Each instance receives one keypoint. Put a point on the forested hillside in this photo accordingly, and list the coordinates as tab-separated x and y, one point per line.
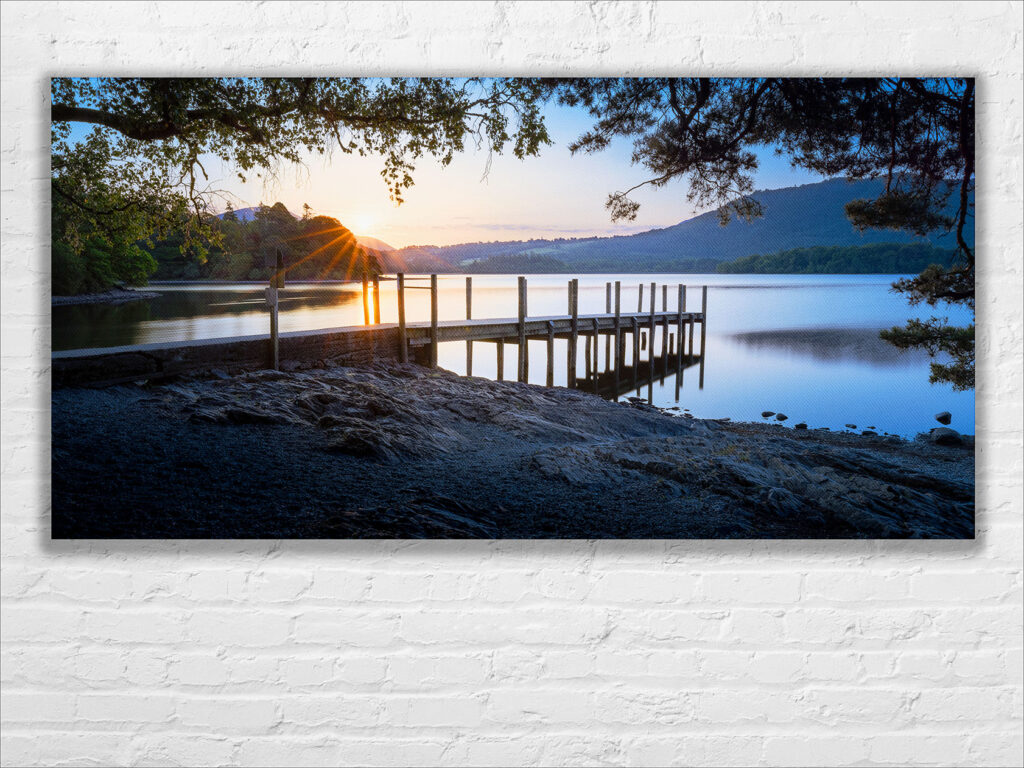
877	258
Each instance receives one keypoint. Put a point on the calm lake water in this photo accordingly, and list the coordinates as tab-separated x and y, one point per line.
803	345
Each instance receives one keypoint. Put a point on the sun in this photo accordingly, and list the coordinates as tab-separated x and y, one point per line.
363	223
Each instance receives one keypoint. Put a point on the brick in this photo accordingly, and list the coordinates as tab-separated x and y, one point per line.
122	708
234	713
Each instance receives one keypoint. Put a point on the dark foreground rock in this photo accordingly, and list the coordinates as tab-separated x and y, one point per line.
412	452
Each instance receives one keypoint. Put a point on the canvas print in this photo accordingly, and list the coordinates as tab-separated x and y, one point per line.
411	307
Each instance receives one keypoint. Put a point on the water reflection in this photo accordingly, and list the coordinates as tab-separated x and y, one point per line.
615	382
832	345
188	313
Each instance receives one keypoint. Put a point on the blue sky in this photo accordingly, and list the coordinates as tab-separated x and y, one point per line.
553	195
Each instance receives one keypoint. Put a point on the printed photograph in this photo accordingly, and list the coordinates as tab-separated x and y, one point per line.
512	308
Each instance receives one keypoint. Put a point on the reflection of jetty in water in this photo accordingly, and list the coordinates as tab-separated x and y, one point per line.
613	383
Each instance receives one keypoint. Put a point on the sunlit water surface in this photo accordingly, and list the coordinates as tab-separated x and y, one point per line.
803	345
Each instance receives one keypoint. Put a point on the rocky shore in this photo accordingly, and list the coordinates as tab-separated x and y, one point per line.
413	452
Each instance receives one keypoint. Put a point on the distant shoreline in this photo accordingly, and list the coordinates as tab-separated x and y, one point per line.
113	296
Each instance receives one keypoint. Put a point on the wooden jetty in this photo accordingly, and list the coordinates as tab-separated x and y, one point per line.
676	325
627	334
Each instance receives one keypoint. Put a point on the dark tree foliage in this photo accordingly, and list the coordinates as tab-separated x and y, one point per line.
139	172
313	248
916	134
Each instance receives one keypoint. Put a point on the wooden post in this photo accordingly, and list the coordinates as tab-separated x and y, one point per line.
275	361
640	299
703	320
469	316
680	308
690	321
588	361
366	300
551	354
376	300
574	287
433	321
636	341
636	349
654	307
403	345
607	338
501	359
521	368
664	298
597	354
276	282
618	325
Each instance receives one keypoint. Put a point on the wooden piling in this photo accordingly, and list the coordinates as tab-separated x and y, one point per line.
501	359
703	320
636	341
550	379
376	300
276	282
403	344
607	338
618	325
469	316
690	323
680	308
275	359
654	307
640	299
588	362
664	298
597	353
521	367
636	349
433	321
366	299
574	308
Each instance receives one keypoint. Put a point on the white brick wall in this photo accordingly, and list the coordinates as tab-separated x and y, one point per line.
310	653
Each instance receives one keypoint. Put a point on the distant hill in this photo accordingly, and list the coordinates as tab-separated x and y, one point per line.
794	217
373	242
245	215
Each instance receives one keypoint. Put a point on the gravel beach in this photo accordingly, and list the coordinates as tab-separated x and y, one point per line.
410	452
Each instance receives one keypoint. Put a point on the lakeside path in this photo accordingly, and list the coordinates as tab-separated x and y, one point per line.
412	452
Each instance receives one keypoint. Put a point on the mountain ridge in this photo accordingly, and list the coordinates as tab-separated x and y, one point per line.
801	216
